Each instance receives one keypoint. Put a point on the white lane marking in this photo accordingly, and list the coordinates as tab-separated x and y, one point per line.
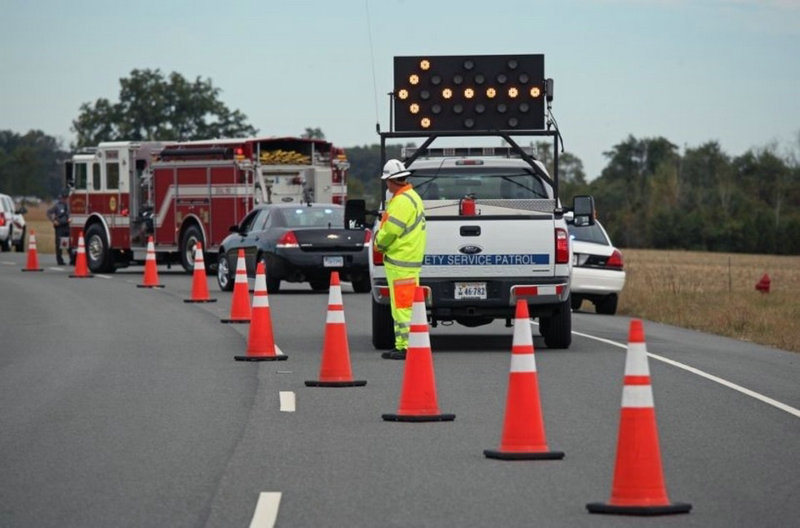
765	399
266	509
57	269
103	276
288	401
7	263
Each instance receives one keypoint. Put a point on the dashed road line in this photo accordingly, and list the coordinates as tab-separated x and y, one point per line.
266	509
288	401
7	263
725	383
56	269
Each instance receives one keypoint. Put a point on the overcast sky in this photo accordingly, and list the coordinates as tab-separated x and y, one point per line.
689	70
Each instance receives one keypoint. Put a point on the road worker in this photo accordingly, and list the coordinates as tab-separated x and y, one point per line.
58	214
401	239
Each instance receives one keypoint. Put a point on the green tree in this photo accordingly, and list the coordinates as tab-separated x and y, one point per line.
313	133
30	164
152	107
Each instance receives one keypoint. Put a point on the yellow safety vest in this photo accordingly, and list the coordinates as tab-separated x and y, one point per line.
401	235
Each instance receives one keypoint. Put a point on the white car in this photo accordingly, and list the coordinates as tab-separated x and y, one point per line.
597	268
12	224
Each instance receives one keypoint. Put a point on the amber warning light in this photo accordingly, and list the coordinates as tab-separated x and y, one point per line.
469	93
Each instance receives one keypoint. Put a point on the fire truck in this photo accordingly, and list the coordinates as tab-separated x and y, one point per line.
188	192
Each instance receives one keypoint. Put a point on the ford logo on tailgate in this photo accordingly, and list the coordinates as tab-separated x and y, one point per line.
470	250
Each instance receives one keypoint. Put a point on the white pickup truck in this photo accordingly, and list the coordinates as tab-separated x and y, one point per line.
495	233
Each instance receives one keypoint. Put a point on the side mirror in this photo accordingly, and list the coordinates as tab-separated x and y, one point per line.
583	210
355	214
21	210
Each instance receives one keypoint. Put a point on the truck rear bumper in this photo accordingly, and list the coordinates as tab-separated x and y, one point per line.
501	297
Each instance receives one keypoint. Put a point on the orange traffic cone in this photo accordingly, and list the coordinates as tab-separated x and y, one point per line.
150	279
418	398
763	284
260	341
638	487
523	427
240	303
199	283
81	267
334	370
33	257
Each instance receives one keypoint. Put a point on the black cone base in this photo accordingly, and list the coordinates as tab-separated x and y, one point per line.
418	417
667	509
34	269
260	358
81	276
235	321
149	285
199	300
354	383
531	455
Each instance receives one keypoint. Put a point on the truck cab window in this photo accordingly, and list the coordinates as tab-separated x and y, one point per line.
112	175
96	185
81	171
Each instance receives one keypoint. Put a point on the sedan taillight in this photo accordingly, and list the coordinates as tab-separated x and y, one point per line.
562	246
288	240
2	219
615	260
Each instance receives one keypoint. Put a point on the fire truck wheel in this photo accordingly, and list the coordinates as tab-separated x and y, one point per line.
224	279
98	256
189	240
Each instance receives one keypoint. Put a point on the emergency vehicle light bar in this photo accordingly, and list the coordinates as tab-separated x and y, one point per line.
469	93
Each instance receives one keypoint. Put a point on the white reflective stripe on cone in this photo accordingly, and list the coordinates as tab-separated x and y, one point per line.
523	363
260	301
637	396
418	315
522	333
335	316
335	295
419	340
636	360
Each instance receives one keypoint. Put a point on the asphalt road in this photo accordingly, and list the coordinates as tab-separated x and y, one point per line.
124	407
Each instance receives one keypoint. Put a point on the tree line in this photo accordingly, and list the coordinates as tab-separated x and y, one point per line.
649	195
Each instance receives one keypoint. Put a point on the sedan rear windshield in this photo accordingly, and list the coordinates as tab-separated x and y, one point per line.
313	217
483	183
592	233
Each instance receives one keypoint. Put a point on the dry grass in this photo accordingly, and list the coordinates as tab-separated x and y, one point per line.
715	293
36	220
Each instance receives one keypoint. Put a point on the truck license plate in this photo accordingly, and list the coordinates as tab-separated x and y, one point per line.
470	290
333	262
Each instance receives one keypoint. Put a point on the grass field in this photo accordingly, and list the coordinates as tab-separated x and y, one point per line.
710	292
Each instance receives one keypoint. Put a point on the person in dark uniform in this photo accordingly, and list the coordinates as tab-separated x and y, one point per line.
59	215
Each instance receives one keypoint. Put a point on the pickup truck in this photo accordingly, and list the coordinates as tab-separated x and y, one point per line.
495	233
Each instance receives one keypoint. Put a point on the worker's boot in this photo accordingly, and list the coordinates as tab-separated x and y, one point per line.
394	354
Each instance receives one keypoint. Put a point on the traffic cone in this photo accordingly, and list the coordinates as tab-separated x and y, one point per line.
33	257
199	283
81	267
523	427
334	370
150	279
763	284
638	487
418	398
240	303
260	341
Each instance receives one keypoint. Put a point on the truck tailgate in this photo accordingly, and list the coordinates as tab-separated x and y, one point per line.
489	248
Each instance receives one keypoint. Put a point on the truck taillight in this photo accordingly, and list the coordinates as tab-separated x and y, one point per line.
288	240
2	219
367	236
338	199
615	260
377	257
562	246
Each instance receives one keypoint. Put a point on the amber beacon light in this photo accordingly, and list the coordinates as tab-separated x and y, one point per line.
469	93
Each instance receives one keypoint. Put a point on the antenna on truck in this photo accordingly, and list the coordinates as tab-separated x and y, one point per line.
372	63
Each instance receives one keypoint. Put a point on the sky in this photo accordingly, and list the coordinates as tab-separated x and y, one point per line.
691	71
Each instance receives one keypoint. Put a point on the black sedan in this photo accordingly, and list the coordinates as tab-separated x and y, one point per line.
297	243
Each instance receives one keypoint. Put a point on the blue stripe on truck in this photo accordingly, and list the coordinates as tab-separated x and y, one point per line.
487	260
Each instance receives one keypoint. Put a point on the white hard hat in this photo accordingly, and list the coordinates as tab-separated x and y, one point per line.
394	169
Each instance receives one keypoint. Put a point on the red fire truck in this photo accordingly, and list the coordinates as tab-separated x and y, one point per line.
189	192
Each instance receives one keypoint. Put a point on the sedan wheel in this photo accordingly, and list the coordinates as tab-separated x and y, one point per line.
224	279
